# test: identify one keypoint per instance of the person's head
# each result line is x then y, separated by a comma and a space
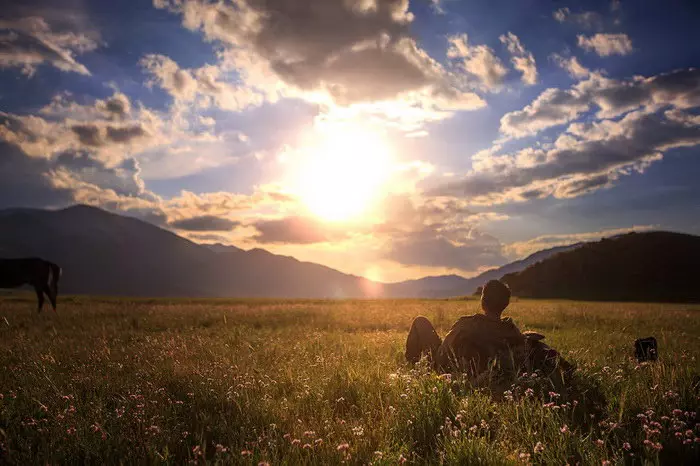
495, 297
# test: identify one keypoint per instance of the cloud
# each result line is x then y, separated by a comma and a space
205, 223
97, 135
440, 231
585, 19
203, 86
521, 249
606, 44
523, 60
572, 66
587, 157
28, 42
478, 61
297, 230
680, 88
351, 51
468, 254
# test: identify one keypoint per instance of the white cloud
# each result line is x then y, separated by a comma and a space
586, 19
523, 60
478, 61
26, 43
203, 86
606, 44
572, 66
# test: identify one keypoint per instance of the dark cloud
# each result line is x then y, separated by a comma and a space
297, 230
118, 106
205, 223
434, 250
591, 156
25, 181
94, 135
356, 50
679, 88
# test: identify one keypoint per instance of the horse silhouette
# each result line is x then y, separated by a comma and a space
41, 274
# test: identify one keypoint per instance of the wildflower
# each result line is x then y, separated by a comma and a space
564, 429
296, 441
508, 395
154, 430
677, 412
358, 431
446, 377
605, 463
246, 453
599, 442
70, 430
342, 447
402, 459
554, 395
309, 433
71, 409
263, 463
306, 446
287, 436
197, 450
378, 454
95, 428
529, 392
626, 446
318, 441
539, 448
524, 456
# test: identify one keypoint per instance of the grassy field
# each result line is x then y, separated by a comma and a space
324, 382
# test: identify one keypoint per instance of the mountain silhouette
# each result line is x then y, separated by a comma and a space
453, 285
107, 254
651, 266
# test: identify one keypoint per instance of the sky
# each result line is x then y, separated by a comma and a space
384, 138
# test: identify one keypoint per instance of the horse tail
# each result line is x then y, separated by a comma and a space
52, 281
55, 273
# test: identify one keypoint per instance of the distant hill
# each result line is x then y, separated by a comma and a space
107, 254
653, 266
444, 286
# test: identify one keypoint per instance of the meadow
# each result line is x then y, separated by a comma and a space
110, 381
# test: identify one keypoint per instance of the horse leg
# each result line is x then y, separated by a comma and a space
39, 297
52, 296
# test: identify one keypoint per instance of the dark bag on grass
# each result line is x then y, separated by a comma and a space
645, 349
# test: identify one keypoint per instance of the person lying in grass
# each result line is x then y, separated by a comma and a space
477, 341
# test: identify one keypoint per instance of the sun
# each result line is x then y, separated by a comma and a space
342, 171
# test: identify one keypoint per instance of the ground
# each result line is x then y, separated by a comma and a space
323, 382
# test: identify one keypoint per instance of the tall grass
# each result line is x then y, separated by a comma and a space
323, 382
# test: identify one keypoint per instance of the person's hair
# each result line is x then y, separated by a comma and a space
495, 297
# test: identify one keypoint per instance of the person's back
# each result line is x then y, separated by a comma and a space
473, 340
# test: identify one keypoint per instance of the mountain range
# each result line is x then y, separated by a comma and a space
103, 253
108, 254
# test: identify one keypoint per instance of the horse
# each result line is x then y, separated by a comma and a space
41, 274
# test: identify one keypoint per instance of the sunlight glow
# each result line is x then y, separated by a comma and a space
342, 172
